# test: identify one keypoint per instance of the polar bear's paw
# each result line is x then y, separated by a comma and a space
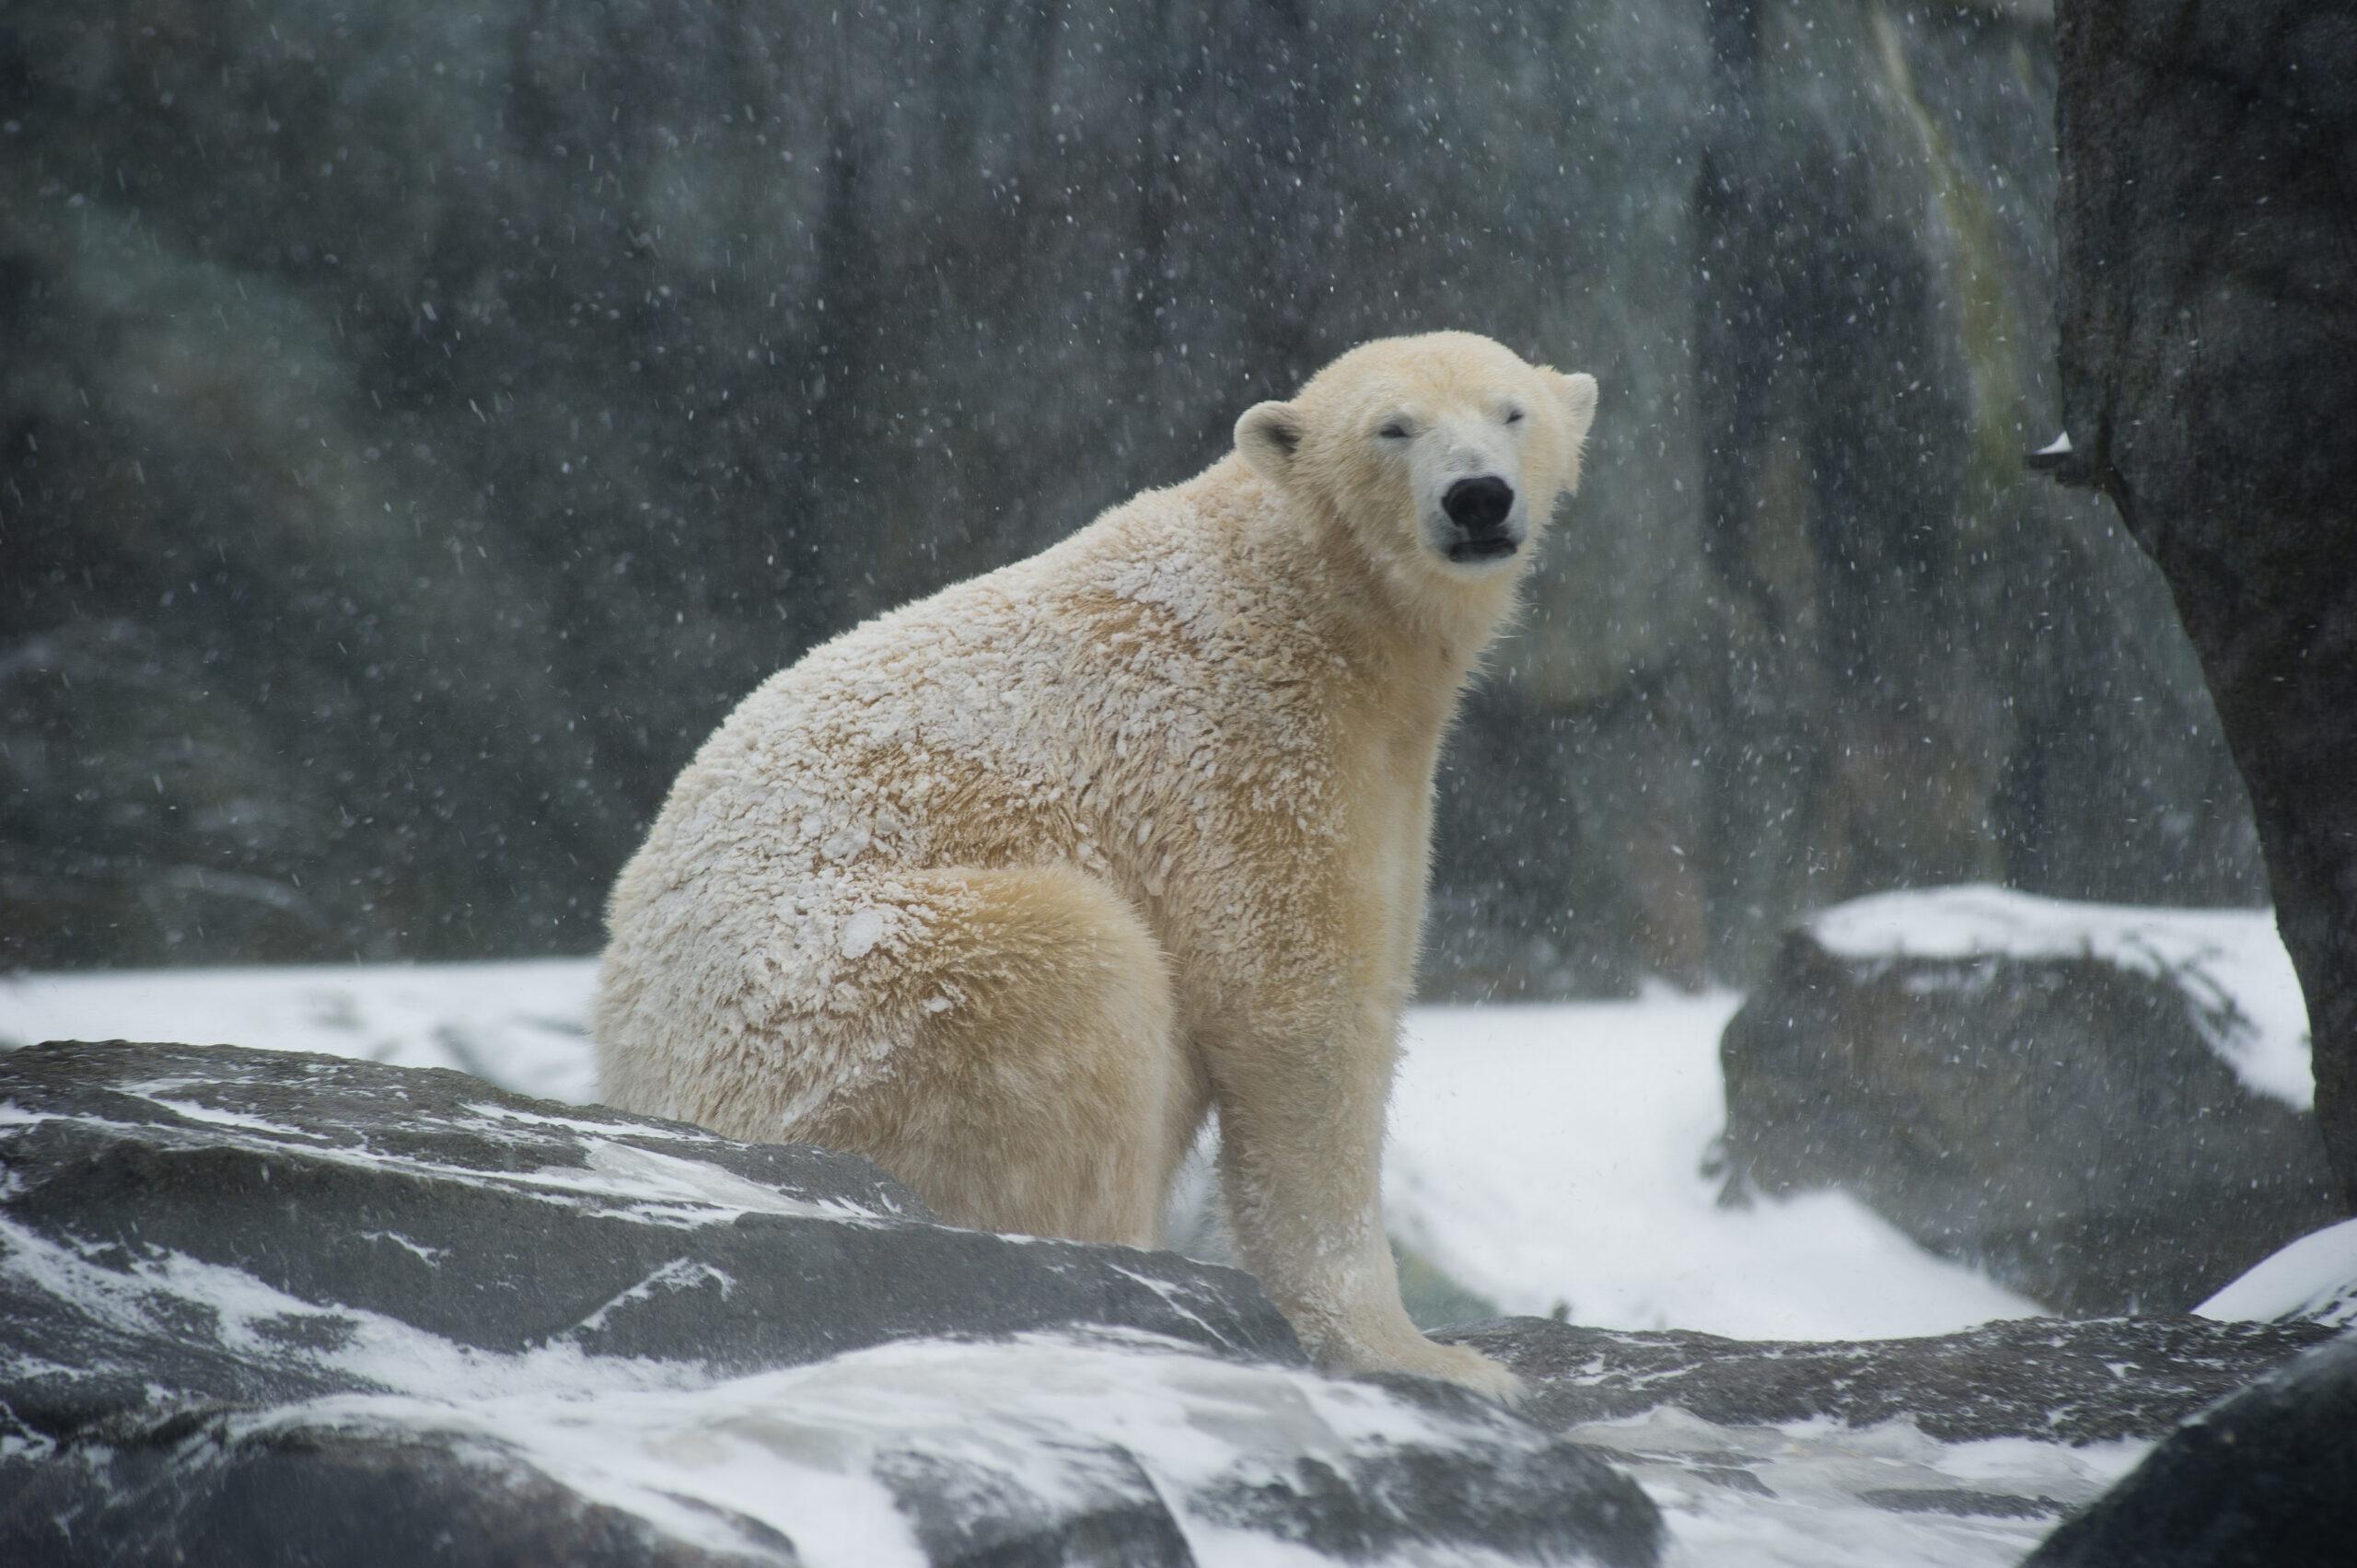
1412, 1353
1469, 1368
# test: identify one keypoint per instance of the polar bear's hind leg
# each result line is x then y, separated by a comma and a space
1040, 1036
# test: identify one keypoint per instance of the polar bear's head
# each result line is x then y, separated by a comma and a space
1444, 454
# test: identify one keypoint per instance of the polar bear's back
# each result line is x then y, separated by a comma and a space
1118, 703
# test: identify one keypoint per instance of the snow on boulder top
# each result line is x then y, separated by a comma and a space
2230, 964
2312, 1279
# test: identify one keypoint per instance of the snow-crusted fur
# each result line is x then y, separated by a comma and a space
1008, 888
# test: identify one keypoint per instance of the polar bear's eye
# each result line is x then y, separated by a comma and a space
1394, 430
1514, 414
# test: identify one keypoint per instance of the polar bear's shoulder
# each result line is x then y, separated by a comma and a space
1158, 616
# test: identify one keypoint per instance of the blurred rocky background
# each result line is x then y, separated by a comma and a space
420, 423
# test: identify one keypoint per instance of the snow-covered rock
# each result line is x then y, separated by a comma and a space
2239, 989
2104, 1108
259, 1304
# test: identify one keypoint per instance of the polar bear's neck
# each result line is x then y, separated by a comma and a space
1405, 632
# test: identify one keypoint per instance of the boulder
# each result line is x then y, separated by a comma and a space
2102, 1107
262, 1306
427, 1198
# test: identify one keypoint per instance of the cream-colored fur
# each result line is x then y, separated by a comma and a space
1007, 890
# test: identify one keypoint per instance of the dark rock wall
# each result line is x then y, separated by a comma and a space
2208, 218
1933, 673
419, 424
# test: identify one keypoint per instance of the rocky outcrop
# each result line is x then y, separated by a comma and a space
2209, 357
2269, 1476
2077, 1101
421, 420
265, 1306
256, 1305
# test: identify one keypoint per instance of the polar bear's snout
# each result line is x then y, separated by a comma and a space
1482, 507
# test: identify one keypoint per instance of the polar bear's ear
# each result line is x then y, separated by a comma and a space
1268, 434
1578, 393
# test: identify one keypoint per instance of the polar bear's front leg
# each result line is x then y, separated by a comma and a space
1301, 1149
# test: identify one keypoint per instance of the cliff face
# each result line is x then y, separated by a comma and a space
2209, 354
420, 423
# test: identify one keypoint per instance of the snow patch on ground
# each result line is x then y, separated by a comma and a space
2238, 981
1547, 1154
521, 1023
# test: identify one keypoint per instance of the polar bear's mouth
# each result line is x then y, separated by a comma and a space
1489, 547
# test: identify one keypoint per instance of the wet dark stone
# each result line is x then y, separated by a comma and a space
2059, 1122
1965, 1503
2268, 1477
968, 1513
317, 1497
1561, 1504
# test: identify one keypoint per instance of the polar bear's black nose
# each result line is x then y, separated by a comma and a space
1479, 506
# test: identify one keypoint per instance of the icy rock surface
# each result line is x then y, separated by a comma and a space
2077, 1381
1938, 1452
258, 1302
2103, 1107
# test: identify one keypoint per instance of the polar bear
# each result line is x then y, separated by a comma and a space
1010, 888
